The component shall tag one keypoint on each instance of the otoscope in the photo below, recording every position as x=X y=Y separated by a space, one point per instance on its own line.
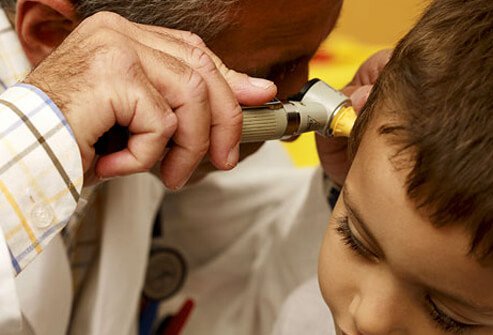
x=317 y=107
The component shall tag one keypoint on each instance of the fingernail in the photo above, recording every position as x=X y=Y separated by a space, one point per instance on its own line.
x=260 y=83
x=233 y=156
x=183 y=182
x=176 y=187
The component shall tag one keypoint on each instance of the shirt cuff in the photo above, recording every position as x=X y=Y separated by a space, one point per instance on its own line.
x=40 y=172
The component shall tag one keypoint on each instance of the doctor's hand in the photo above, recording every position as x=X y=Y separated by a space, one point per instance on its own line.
x=333 y=152
x=158 y=83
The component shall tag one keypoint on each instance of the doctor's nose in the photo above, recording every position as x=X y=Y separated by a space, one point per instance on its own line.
x=378 y=311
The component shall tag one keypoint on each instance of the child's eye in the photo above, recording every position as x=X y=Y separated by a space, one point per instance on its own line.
x=351 y=241
x=445 y=322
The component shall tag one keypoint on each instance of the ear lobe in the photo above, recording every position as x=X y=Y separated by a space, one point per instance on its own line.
x=42 y=25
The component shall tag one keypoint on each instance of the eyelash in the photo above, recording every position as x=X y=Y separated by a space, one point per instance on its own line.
x=351 y=241
x=443 y=321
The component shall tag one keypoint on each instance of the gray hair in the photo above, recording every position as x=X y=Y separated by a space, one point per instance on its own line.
x=207 y=18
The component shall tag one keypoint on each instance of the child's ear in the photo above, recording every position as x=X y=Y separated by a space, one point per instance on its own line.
x=42 y=25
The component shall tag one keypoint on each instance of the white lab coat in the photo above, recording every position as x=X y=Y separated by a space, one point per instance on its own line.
x=305 y=312
x=249 y=236
x=110 y=299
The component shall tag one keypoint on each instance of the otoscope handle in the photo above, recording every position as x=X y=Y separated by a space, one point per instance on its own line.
x=263 y=124
x=318 y=107
x=282 y=120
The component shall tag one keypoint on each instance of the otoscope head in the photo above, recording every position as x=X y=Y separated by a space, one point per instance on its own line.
x=318 y=107
x=341 y=114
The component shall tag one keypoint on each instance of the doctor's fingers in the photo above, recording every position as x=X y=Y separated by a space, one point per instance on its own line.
x=139 y=106
x=186 y=93
x=225 y=110
x=223 y=107
x=226 y=113
x=124 y=63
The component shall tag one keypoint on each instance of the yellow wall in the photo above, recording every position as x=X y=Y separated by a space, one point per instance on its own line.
x=379 y=21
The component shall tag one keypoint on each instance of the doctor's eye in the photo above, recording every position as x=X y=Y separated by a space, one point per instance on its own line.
x=280 y=71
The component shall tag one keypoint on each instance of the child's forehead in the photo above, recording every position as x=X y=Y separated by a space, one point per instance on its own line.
x=386 y=129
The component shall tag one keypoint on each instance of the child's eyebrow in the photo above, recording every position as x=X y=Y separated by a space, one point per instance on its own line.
x=354 y=213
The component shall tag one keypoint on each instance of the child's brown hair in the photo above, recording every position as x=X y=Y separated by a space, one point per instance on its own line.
x=438 y=92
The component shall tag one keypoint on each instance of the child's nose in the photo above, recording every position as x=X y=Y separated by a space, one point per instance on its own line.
x=379 y=309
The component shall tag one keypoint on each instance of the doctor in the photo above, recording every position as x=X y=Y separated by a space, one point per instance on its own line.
x=92 y=72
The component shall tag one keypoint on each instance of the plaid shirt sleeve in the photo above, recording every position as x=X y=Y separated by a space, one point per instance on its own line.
x=40 y=172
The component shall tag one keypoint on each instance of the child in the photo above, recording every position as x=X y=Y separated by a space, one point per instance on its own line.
x=410 y=243
x=409 y=247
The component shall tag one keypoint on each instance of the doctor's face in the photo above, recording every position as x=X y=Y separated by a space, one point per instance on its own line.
x=275 y=39
x=385 y=269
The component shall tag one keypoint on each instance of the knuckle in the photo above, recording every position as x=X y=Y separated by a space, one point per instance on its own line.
x=106 y=19
x=168 y=124
x=114 y=54
x=201 y=60
x=106 y=41
x=236 y=117
x=101 y=20
x=230 y=119
x=144 y=165
x=93 y=21
x=132 y=70
x=193 y=39
x=104 y=36
x=231 y=76
x=196 y=85
x=201 y=148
